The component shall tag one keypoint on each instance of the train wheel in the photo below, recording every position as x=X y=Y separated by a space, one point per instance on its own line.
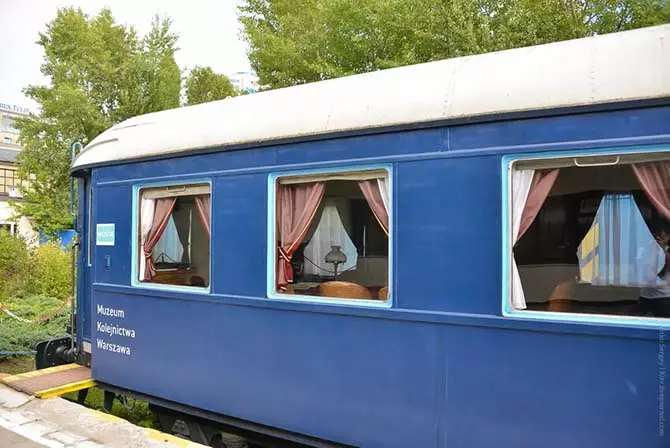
x=224 y=440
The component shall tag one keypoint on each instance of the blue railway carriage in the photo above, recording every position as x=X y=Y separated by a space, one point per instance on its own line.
x=465 y=253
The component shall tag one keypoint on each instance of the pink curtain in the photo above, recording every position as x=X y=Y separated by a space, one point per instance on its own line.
x=203 y=205
x=655 y=180
x=543 y=181
x=162 y=211
x=296 y=206
x=372 y=191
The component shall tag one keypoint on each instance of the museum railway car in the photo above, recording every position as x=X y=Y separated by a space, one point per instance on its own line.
x=464 y=253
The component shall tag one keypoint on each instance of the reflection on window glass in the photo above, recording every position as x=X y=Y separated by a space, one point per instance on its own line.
x=175 y=235
x=332 y=235
x=592 y=239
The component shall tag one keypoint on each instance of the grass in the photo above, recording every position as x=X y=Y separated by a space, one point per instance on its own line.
x=16 y=364
x=137 y=414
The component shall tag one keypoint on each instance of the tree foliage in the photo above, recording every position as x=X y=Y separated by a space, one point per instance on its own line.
x=297 y=41
x=100 y=73
x=203 y=85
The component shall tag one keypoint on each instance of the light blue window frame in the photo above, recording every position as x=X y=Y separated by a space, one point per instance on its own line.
x=273 y=179
x=596 y=319
x=134 y=279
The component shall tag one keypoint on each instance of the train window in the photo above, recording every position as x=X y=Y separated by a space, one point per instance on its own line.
x=591 y=235
x=174 y=235
x=332 y=235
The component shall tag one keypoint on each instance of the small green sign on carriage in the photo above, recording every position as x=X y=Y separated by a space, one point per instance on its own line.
x=104 y=235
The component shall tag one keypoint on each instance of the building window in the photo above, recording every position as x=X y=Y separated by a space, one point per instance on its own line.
x=174 y=235
x=7 y=180
x=7 y=227
x=8 y=140
x=591 y=235
x=8 y=125
x=332 y=235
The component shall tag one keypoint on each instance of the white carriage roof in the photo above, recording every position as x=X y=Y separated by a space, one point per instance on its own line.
x=627 y=66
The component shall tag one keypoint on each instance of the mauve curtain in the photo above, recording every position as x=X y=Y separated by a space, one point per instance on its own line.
x=203 y=204
x=296 y=206
x=543 y=181
x=655 y=180
x=161 y=215
x=530 y=189
x=376 y=193
x=146 y=219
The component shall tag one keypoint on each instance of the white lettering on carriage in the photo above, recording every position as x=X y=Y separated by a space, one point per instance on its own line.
x=115 y=330
x=114 y=348
x=112 y=312
x=112 y=330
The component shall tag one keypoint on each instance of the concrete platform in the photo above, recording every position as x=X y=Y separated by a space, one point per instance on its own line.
x=29 y=422
x=9 y=438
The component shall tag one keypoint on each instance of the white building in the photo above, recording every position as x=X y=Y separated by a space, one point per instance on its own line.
x=244 y=81
x=9 y=183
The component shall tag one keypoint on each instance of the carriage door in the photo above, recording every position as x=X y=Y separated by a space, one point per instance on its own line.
x=86 y=230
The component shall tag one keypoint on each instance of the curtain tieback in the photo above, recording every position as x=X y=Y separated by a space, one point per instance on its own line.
x=283 y=254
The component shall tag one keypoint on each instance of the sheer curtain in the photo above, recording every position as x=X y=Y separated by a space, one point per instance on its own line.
x=619 y=249
x=329 y=232
x=377 y=194
x=155 y=225
x=169 y=244
x=296 y=206
x=530 y=189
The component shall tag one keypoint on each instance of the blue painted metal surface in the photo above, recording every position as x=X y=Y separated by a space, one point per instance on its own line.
x=65 y=238
x=84 y=323
x=443 y=366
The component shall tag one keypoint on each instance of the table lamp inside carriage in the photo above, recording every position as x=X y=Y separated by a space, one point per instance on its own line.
x=337 y=288
x=335 y=257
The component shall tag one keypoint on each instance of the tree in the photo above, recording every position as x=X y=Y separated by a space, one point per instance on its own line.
x=203 y=85
x=100 y=73
x=297 y=41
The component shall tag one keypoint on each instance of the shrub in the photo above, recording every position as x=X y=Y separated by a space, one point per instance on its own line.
x=14 y=265
x=33 y=284
x=50 y=273
x=23 y=336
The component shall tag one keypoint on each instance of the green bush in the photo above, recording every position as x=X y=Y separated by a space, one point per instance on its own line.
x=16 y=336
x=51 y=272
x=14 y=266
x=33 y=284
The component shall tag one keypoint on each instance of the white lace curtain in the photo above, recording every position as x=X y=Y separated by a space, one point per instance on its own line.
x=329 y=232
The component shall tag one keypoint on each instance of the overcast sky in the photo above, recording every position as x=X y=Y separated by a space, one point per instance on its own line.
x=208 y=35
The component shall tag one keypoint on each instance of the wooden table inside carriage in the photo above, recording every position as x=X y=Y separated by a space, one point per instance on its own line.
x=339 y=289
x=181 y=275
